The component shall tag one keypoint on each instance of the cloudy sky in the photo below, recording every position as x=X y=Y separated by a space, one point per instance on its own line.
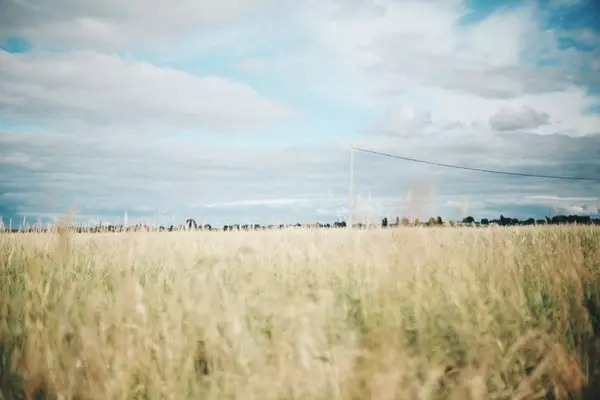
x=242 y=111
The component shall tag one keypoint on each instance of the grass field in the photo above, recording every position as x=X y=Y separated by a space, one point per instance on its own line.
x=408 y=313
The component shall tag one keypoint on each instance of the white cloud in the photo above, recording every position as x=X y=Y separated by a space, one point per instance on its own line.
x=436 y=83
x=464 y=112
x=114 y=25
x=259 y=202
x=408 y=44
x=579 y=210
x=162 y=177
x=251 y=64
x=558 y=199
x=567 y=205
x=91 y=90
x=404 y=121
x=19 y=159
x=416 y=54
x=507 y=119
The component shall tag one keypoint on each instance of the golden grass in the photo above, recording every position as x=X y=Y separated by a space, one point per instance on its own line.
x=330 y=314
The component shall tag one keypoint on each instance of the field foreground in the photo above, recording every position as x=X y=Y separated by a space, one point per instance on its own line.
x=385 y=314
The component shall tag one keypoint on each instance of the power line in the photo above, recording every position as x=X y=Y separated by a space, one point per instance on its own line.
x=573 y=178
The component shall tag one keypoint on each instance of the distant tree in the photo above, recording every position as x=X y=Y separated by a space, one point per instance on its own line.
x=468 y=220
x=405 y=222
x=384 y=223
x=439 y=220
x=432 y=221
x=485 y=221
x=190 y=224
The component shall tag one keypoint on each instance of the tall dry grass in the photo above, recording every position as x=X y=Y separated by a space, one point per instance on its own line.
x=395 y=314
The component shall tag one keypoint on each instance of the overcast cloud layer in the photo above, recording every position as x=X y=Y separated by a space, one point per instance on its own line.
x=242 y=111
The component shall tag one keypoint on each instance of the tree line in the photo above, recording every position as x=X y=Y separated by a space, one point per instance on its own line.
x=191 y=225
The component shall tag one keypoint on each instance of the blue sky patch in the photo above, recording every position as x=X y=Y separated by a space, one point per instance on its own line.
x=481 y=9
x=15 y=45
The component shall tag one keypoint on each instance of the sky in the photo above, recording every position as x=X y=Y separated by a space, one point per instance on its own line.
x=244 y=111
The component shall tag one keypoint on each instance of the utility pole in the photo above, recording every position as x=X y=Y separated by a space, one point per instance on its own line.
x=351 y=188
